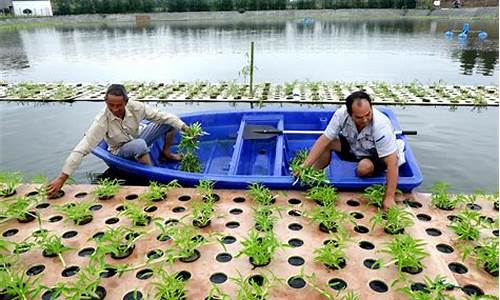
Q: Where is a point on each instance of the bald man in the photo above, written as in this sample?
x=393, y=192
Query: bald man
x=361, y=133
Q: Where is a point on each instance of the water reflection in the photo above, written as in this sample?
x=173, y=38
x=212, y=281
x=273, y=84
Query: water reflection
x=286, y=50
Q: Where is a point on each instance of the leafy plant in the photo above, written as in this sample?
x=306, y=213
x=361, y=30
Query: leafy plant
x=434, y=289
x=157, y=191
x=188, y=146
x=206, y=189
x=186, y=239
x=260, y=248
x=323, y=195
x=78, y=212
x=308, y=176
x=119, y=242
x=18, y=208
x=329, y=218
x=441, y=199
x=261, y=194
x=250, y=289
x=394, y=220
x=407, y=253
x=323, y=291
x=332, y=253
x=264, y=218
x=375, y=195
x=107, y=188
x=9, y=182
x=17, y=285
x=485, y=254
x=168, y=286
x=136, y=214
x=51, y=245
x=203, y=212
x=466, y=225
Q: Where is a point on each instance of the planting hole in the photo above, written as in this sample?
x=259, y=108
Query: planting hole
x=86, y=252
x=337, y=284
x=457, y=268
x=424, y=217
x=39, y=232
x=495, y=232
x=81, y=195
x=433, y=232
x=132, y=235
x=418, y=286
x=487, y=219
x=352, y=203
x=120, y=208
x=163, y=237
x=239, y=199
x=48, y=295
x=412, y=271
x=294, y=201
x=31, y=194
x=470, y=290
x=357, y=215
x=112, y=221
x=295, y=243
x=132, y=197
x=257, y=279
x=183, y=275
x=170, y=222
x=10, y=232
x=412, y=204
x=473, y=206
x=378, y=286
x=228, y=239
x=218, y=278
x=42, y=205
x=232, y=224
x=144, y=274
x=133, y=295
x=444, y=248
x=154, y=254
x=150, y=209
x=295, y=226
x=178, y=209
x=452, y=218
x=96, y=207
x=366, y=245
x=361, y=229
x=223, y=257
x=35, y=270
x=184, y=198
x=296, y=282
x=371, y=264
x=69, y=234
x=236, y=211
x=108, y=272
x=296, y=261
x=56, y=195
x=70, y=271
x=295, y=213
x=334, y=242
x=98, y=235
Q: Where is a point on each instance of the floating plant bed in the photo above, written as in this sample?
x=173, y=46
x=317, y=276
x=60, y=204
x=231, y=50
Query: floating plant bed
x=212, y=260
x=413, y=93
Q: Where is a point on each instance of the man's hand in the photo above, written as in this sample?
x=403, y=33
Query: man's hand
x=56, y=185
x=388, y=203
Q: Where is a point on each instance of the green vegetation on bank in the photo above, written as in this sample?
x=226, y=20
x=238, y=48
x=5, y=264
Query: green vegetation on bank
x=74, y=7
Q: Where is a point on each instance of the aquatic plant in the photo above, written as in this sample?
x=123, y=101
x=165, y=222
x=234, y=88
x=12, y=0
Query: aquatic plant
x=264, y=218
x=308, y=176
x=119, y=242
x=394, y=220
x=17, y=285
x=157, y=191
x=323, y=195
x=18, y=208
x=51, y=244
x=332, y=253
x=432, y=289
x=260, y=248
x=9, y=181
x=79, y=212
x=136, y=214
x=261, y=194
x=250, y=288
x=466, y=225
x=485, y=253
x=206, y=190
x=186, y=239
x=329, y=218
x=168, y=286
x=107, y=188
x=374, y=194
x=188, y=147
x=441, y=199
x=203, y=212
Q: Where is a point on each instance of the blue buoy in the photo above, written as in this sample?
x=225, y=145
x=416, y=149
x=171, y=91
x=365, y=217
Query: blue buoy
x=466, y=28
x=462, y=36
x=482, y=35
x=448, y=34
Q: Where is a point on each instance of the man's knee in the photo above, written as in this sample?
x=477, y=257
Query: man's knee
x=134, y=149
x=365, y=168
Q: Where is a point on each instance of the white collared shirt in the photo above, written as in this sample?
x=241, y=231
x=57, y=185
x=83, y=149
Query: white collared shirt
x=116, y=132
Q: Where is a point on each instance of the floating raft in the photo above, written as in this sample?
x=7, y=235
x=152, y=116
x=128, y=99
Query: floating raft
x=234, y=218
x=294, y=92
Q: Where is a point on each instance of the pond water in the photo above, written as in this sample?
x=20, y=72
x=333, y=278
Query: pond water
x=459, y=147
x=349, y=50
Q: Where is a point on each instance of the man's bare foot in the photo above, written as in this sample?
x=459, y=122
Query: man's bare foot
x=170, y=156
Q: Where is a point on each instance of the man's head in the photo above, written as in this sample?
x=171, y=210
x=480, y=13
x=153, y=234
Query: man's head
x=359, y=107
x=116, y=98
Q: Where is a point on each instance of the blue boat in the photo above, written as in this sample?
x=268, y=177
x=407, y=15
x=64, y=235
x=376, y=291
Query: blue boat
x=233, y=160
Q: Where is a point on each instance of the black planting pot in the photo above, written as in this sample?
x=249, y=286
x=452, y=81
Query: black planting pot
x=47, y=254
x=5, y=296
x=392, y=232
x=106, y=197
x=215, y=197
x=342, y=265
x=495, y=205
x=145, y=223
x=198, y=223
x=56, y=195
x=125, y=253
x=494, y=274
x=323, y=228
x=8, y=195
x=28, y=217
x=84, y=221
x=412, y=270
x=164, y=195
x=258, y=265
x=445, y=208
x=196, y=255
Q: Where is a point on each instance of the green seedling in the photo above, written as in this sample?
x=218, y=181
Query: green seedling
x=107, y=188
x=407, y=253
x=329, y=218
x=51, y=245
x=9, y=182
x=332, y=253
x=434, y=289
x=18, y=208
x=168, y=286
x=188, y=147
x=216, y=293
x=119, y=242
x=206, y=190
x=416, y=89
x=485, y=254
x=325, y=291
x=17, y=285
x=466, y=225
x=260, y=248
x=375, y=195
x=203, y=212
x=251, y=289
x=157, y=191
x=441, y=199
x=261, y=194
x=264, y=218
x=78, y=212
x=394, y=220
x=308, y=176
x=186, y=239
x=136, y=214
x=323, y=195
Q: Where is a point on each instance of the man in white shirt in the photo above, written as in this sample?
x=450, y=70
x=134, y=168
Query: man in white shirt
x=358, y=132
x=118, y=124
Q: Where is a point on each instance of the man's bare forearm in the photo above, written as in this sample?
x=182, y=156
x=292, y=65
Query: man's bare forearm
x=318, y=148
